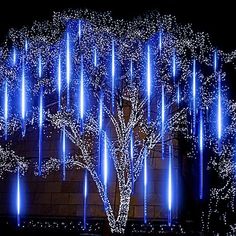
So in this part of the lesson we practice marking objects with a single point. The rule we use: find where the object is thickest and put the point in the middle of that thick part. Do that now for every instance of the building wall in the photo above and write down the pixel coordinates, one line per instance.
(46, 197)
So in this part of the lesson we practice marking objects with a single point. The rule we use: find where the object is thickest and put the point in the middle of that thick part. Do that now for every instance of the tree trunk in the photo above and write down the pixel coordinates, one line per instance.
(121, 221)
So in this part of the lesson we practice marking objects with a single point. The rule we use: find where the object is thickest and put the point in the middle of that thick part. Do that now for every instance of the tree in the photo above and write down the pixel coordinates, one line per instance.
(142, 74)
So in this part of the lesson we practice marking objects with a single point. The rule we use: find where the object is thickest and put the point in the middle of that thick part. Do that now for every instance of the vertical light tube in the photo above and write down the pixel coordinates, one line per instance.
(163, 122)
(148, 80)
(40, 66)
(174, 66)
(95, 57)
(219, 112)
(40, 129)
(6, 109)
(68, 68)
(80, 30)
(82, 92)
(59, 82)
(160, 41)
(170, 186)
(105, 163)
(145, 187)
(14, 57)
(100, 113)
(215, 62)
(23, 98)
(201, 138)
(100, 131)
(178, 94)
(85, 197)
(26, 45)
(113, 76)
(18, 198)
(194, 96)
(64, 153)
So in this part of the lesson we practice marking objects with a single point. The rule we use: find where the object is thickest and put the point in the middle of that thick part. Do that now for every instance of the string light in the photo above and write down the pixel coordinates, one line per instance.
(178, 38)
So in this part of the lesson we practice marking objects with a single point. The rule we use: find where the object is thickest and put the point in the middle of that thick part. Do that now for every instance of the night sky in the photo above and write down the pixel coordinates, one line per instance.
(216, 19)
(208, 16)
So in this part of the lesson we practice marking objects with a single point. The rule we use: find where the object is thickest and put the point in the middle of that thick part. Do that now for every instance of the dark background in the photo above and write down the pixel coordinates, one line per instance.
(209, 16)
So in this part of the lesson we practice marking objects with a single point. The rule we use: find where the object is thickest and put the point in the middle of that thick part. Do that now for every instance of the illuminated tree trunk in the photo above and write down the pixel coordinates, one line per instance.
(122, 218)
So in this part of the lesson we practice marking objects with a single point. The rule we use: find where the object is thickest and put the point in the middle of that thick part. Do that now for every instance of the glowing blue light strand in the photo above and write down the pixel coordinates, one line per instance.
(100, 130)
(68, 68)
(82, 91)
(201, 139)
(40, 130)
(219, 112)
(100, 113)
(40, 66)
(26, 45)
(174, 66)
(170, 186)
(23, 100)
(14, 57)
(85, 197)
(64, 153)
(163, 122)
(80, 30)
(215, 61)
(145, 187)
(95, 57)
(113, 76)
(194, 96)
(132, 157)
(148, 80)
(6, 109)
(59, 81)
(18, 198)
(160, 41)
(105, 163)
(178, 94)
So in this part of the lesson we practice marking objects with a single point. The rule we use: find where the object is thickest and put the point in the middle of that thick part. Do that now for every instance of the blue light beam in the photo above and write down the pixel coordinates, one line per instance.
(113, 76)
(148, 80)
(201, 140)
(219, 112)
(100, 114)
(14, 57)
(95, 59)
(163, 122)
(105, 163)
(59, 82)
(6, 109)
(40, 66)
(215, 62)
(160, 41)
(178, 95)
(18, 198)
(68, 68)
(170, 186)
(82, 92)
(64, 153)
(194, 96)
(40, 130)
(23, 100)
(174, 66)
